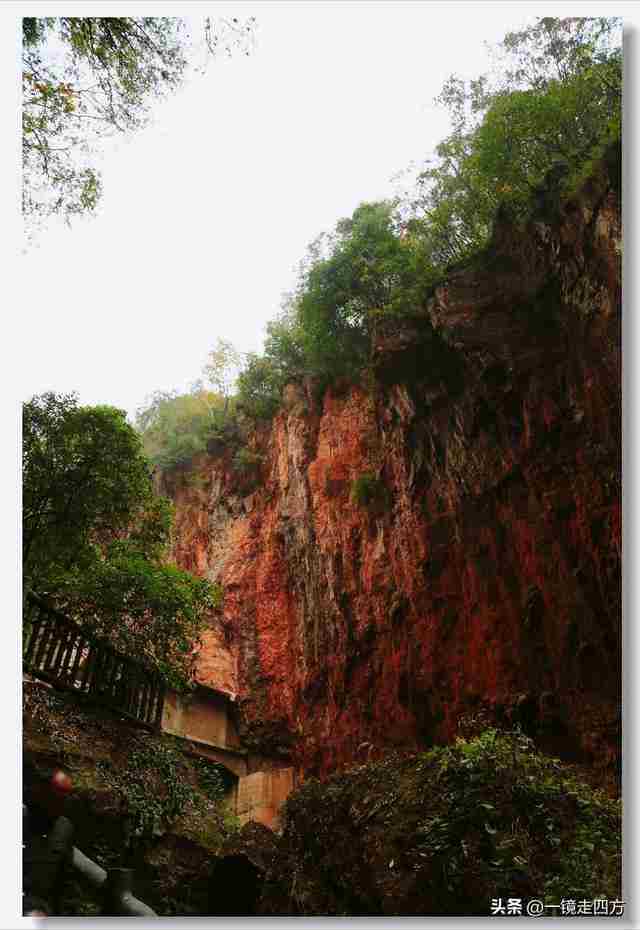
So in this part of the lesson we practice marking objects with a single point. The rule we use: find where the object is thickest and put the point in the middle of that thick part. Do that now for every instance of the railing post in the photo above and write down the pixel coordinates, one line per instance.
(159, 706)
(146, 701)
(76, 653)
(89, 668)
(43, 642)
(32, 642)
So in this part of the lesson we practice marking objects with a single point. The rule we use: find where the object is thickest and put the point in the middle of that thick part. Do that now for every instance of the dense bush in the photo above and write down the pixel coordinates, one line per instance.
(444, 832)
(149, 610)
(351, 277)
(259, 386)
(370, 271)
(556, 103)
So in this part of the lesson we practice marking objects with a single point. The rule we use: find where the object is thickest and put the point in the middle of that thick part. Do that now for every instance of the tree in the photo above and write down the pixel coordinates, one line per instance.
(260, 386)
(84, 479)
(221, 368)
(95, 535)
(175, 427)
(261, 380)
(147, 610)
(554, 107)
(369, 271)
(556, 101)
(349, 278)
(84, 79)
(526, 134)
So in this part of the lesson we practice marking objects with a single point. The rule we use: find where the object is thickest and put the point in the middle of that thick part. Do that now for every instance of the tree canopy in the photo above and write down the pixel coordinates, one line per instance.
(174, 427)
(370, 270)
(554, 102)
(551, 109)
(95, 534)
(86, 78)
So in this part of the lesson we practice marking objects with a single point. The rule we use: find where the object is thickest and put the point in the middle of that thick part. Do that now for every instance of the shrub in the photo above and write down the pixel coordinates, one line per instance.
(95, 536)
(211, 779)
(245, 460)
(369, 491)
(444, 832)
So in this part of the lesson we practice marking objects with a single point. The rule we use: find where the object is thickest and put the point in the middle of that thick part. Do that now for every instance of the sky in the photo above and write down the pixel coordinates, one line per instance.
(206, 214)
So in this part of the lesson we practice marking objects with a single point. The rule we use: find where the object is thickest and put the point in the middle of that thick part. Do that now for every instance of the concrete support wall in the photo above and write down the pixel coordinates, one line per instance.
(202, 716)
(262, 794)
(206, 718)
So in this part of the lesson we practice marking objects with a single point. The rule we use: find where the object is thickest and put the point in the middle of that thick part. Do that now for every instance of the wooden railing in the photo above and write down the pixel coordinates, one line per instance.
(57, 650)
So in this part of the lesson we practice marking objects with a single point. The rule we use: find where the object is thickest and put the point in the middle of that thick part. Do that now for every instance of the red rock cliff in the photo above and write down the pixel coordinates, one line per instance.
(485, 573)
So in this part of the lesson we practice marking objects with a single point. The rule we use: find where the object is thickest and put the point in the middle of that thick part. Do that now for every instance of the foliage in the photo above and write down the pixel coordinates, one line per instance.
(144, 776)
(146, 609)
(553, 108)
(84, 478)
(363, 269)
(443, 832)
(245, 460)
(566, 120)
(162, 791)
(260, 386)
(94, 535)
(261, 380)
(174, 427)
(370, 270)
(369, 491)
(86, 78)
(171, 854)
(221, 368)
(154, 787)
(549, 817)
(211, 780)
(556, 103)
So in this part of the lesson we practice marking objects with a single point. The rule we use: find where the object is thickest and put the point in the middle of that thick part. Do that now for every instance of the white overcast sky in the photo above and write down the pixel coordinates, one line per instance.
(206, 214)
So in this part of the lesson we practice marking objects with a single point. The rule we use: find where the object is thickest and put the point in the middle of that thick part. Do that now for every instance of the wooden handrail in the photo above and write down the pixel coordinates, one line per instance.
(57, 650)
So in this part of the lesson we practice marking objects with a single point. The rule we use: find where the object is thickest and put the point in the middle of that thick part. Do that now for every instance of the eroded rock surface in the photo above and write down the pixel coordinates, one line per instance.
(487, 575)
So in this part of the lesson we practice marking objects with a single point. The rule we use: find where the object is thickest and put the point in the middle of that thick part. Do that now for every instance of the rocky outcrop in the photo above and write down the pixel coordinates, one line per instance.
(481, 571)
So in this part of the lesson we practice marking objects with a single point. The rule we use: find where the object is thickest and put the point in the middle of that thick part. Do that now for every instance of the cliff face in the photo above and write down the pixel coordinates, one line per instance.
(481, 573)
